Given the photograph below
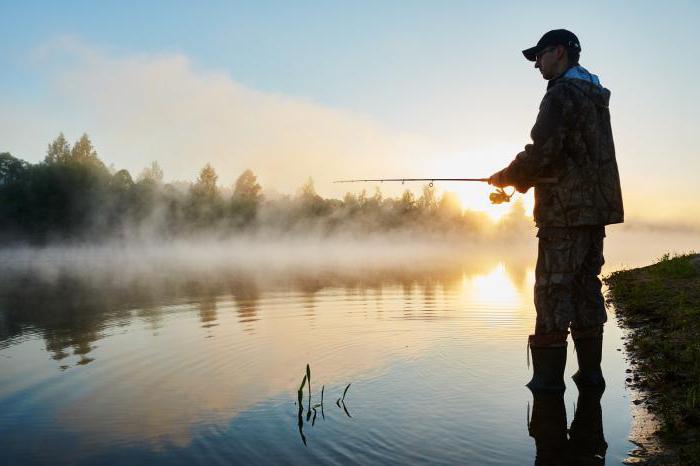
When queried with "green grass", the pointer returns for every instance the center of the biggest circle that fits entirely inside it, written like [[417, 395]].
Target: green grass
[[661, 303]]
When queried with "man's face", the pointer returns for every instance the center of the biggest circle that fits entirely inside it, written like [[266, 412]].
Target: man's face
[[549, 61]]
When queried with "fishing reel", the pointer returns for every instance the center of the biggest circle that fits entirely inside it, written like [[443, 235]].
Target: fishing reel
[[500, 196]]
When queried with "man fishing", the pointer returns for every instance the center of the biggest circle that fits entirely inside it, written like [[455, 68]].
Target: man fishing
[[572, 144]]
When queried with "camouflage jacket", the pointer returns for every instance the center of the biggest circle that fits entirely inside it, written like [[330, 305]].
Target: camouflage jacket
[[571, 142]]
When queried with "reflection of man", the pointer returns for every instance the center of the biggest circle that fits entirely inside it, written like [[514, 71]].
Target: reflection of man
[[585, 444], [572, 144]]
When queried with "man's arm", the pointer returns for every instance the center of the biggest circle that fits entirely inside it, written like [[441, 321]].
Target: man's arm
[[547, 144]]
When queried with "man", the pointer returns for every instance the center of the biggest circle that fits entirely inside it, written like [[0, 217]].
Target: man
[[571, 164]]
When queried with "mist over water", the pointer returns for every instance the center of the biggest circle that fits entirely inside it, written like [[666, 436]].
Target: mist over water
[[266, 255], [191, 351]]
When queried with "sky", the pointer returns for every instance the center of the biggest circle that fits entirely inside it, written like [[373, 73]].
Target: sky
[[333, 90]]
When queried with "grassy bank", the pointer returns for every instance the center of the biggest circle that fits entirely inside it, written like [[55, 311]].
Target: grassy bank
[[661, 305]]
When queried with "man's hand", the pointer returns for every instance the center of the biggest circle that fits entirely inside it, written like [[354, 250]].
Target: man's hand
[[497, 180]]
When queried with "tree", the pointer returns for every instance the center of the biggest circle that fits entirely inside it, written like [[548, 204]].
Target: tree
[[350, 201], [58, 151], [206, 183], [428, 201], [122, 180], [247, 188], [152, 173], [205, 205], [246, 199], [307, 192], [312, 205], [407, 202], [83, 151], [11, 168]]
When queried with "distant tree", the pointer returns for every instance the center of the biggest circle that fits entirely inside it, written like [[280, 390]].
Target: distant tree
[[73, 195], [312, 205], [152, 173], [247, 188], [246, 199], [350, 201], [407, 202], [428, 203], [13, 199], [205, 205], [58, 151], [308, 191], [205, 186], [11, 168], [84, 152], [122, 180]]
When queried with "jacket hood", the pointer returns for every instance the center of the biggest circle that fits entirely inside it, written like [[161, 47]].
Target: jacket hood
[[588, 83], [579, 72]]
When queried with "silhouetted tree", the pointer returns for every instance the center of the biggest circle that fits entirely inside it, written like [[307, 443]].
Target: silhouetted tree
[[72, 194], [246, 199], [312, 205], [205, 206], [83, 152], [428, 201], [152, 173], [11, 168], [58, 151], [407, 203], [205, 186]]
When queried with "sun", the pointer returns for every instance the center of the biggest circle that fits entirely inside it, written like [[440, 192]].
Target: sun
[[475, 197]]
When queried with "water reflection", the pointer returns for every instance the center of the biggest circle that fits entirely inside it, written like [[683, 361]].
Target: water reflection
[[72, 311], [141, 373], [246, 294], [585, 443], [207, 311]]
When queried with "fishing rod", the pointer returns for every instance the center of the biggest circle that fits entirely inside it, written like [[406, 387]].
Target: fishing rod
[[498, 197]]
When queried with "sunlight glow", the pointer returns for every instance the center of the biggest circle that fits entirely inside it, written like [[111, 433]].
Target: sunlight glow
[[476, 198], [495, 289]]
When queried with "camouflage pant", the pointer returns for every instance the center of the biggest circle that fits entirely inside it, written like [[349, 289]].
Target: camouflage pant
[[567, 288]]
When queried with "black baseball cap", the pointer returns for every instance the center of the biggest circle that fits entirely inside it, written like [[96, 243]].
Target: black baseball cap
[[555, 37]]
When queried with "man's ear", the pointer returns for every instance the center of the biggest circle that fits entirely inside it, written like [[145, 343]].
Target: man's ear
[[561, 52]]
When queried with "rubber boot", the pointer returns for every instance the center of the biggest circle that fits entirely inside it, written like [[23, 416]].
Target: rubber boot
[[589, 352], [548, 362]]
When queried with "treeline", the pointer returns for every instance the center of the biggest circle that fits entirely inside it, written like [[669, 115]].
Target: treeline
[[72, 194]]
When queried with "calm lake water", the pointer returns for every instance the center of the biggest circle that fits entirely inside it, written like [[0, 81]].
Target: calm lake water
[[175, 364]]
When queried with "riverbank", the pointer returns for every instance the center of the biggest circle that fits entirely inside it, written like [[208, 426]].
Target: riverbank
[[660, 305]]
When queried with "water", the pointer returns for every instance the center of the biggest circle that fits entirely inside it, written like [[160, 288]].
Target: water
[[201, 365]]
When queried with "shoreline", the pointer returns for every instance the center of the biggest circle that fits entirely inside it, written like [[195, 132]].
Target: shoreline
[[659, 307]]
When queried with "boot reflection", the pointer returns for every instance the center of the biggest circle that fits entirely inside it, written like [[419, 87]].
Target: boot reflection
[[548, 427], [585, 445], [586, 439]]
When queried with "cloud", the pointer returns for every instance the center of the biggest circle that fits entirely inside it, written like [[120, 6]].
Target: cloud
[[140, 108]]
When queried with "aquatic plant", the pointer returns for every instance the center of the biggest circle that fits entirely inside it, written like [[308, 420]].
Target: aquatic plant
[[342, 399], [308, 376], [312, 409]]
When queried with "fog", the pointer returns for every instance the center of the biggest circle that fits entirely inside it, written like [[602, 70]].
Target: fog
[[266, 256], [262, 257], [71, 215]]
